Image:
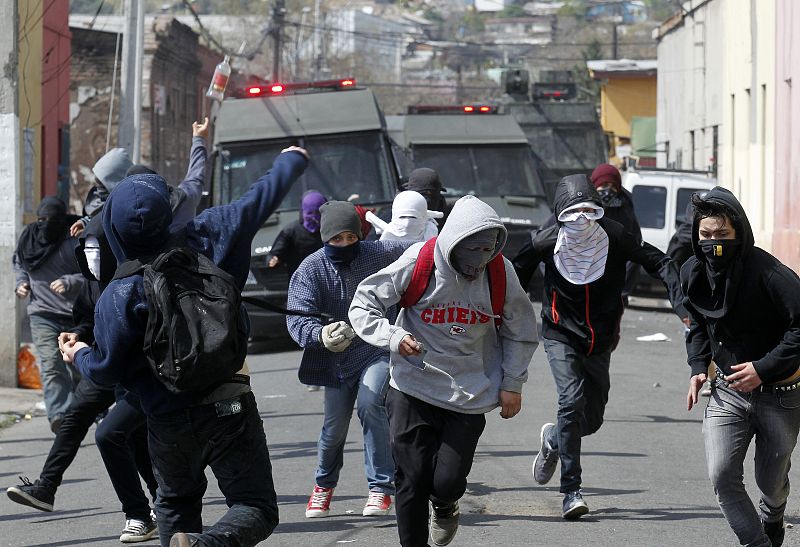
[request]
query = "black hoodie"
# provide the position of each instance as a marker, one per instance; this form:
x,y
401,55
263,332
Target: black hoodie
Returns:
x,y
760,319
587,316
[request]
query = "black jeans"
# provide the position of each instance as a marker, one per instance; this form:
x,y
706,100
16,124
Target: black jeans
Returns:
x,y
122,441
433,449
88,401
583,384
184,443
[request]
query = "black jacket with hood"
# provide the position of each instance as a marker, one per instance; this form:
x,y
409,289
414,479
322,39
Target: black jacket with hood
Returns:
x,y
759,320
587,316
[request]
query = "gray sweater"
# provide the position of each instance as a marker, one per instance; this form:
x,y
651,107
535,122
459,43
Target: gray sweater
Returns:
x,y
62,265
468,360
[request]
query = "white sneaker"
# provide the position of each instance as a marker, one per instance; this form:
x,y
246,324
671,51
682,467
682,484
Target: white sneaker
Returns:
x,y
138,530
378,504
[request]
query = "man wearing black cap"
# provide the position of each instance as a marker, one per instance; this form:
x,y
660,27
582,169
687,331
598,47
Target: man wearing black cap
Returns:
x,y
352,371
426,181
745,310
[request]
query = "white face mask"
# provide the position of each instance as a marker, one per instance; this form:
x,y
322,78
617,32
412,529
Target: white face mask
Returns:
x,y
91,249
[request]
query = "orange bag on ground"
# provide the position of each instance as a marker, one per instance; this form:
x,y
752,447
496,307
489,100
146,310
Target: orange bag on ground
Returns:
x,y
27,371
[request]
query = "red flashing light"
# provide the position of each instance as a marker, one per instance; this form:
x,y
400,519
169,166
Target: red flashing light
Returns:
x,y
277,88
485,109
556,94
469,109
347,83
254,90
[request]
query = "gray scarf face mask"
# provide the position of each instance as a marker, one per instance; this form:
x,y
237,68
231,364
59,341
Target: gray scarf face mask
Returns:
x,y
471,255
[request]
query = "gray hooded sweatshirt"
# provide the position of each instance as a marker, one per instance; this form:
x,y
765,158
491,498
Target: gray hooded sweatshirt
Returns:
x,y
467,360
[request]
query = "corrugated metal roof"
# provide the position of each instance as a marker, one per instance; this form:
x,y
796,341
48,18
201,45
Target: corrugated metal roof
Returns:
x,y
296,116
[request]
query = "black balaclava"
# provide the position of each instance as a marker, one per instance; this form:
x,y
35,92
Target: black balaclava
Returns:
x,y
337,217
426,181
40,239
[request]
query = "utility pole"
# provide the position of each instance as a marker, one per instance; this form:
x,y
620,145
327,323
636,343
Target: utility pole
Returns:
x,y
10,198
317,43
278,12
131,80
614,42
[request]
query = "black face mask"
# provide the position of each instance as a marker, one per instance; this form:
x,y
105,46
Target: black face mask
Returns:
x,y
51,230
610,197
719,253
341,256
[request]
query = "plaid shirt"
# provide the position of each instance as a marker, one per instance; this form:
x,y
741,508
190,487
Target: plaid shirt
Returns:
x,y
318,286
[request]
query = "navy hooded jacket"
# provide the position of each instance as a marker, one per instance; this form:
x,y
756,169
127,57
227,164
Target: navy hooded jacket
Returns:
x,y
136,220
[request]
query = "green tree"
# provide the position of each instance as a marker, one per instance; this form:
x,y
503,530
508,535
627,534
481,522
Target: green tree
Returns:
x,y
514,10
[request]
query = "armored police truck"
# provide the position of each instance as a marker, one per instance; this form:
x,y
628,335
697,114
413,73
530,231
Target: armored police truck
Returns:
x,y
345,134
480,152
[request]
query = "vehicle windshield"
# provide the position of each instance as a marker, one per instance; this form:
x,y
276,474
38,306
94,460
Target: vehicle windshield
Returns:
x,y
560,148
482,170
341,167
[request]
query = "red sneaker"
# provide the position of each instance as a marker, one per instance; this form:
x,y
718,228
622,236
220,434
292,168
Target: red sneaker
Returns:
x,y
319,504
378,504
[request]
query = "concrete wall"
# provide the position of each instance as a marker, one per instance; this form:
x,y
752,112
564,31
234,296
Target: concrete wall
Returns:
x,y
786,234
749,112
690,87
30,105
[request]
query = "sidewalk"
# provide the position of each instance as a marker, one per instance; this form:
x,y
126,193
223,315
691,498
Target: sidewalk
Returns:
x,y
18,401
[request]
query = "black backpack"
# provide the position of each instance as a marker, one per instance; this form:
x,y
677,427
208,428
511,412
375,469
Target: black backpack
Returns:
x,y
196,336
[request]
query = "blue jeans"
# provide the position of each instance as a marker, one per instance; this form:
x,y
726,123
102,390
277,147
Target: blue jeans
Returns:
x,y
368,393
183,443
583,383
58,378
731,421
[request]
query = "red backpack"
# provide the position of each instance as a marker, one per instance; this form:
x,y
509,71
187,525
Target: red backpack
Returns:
x,y
423,271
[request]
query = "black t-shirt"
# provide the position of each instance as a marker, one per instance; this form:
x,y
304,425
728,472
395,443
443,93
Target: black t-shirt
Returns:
x,y
293,244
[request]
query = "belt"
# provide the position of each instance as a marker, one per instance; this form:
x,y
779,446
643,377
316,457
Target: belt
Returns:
x,y
764,388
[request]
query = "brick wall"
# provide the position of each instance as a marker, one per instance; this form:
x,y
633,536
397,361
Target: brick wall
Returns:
x,y
176,72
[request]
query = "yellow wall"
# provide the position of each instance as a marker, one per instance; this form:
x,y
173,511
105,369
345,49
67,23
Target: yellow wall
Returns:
x,y
622,98
30,103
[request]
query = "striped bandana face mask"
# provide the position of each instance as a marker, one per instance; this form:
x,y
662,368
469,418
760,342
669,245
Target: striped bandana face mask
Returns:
x,y
582,246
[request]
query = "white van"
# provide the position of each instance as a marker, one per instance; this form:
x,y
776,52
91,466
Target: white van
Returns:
x,y
660,198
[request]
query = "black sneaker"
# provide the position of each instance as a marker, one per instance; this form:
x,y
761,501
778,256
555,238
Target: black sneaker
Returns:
x,y
545,462
34,494
573,506
138,530
444,523
775,532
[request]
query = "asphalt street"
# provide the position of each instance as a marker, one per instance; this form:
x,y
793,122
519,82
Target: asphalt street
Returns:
x,y
644,471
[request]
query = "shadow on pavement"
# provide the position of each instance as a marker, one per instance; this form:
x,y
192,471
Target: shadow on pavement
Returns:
x,y
83,541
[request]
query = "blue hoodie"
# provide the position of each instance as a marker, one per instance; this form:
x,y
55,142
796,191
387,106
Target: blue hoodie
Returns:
x,y
136,220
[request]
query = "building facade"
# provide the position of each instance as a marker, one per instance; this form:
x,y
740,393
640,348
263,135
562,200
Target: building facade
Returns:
x,y
716,99
786,234
176,74
628,90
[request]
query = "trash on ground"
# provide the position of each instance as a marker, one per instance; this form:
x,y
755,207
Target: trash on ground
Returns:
x,y
657,337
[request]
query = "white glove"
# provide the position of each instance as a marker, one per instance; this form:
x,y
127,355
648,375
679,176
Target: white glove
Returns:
x,y
337,336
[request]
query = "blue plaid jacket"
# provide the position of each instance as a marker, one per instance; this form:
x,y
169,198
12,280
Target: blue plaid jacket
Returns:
x,y
318,286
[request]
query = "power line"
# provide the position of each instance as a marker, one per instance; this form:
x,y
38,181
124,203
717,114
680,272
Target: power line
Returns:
x,y
265,33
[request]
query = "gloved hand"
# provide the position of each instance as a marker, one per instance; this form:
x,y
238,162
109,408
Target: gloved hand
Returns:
x,y
337,336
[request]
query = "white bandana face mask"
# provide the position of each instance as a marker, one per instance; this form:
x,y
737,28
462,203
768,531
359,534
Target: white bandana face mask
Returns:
x,y
91,249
